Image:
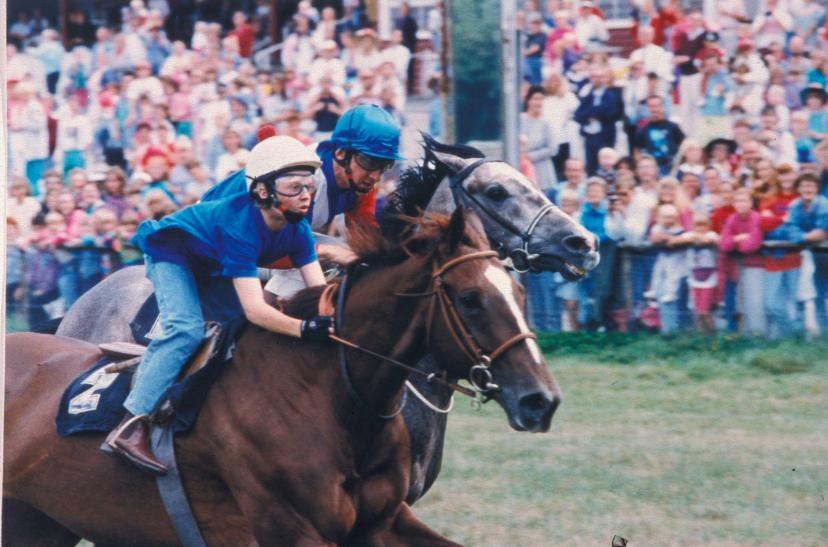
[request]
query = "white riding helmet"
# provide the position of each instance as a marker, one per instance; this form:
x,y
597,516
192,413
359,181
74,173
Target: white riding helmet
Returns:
x,y
276,155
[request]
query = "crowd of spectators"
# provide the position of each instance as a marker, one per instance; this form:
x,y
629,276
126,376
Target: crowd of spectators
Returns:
x,y
699,160
120,122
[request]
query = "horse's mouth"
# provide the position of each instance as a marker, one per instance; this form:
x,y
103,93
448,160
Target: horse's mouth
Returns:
x,y
567,269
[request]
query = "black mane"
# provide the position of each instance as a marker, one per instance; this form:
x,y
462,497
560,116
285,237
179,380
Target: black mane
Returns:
x,y
417,184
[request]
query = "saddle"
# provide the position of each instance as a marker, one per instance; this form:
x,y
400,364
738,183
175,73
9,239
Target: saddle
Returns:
x,y
127,355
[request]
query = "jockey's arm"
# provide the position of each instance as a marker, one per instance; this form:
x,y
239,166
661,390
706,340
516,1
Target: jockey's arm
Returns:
x,y
259,312
339,254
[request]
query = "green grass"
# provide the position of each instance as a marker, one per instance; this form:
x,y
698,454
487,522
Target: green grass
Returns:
x,y
685,441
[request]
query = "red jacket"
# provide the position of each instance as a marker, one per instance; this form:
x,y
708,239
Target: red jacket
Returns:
x,y
718,217
778,261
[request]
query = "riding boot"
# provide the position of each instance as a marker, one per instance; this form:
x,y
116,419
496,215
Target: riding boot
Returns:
x,y
130,440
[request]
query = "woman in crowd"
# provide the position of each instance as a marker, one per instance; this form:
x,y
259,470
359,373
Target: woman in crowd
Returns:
x,y
540,143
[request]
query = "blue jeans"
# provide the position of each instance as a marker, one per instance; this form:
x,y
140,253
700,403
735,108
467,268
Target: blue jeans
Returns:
x,y
641,266
780,290
821,286
182,322
532,69
670,316
544,305
730,305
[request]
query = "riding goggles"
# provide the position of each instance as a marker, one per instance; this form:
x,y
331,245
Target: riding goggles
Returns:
x,y
296,188
372,163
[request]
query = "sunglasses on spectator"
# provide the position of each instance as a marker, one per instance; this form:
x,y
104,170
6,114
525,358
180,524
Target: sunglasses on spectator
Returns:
x,y
371,163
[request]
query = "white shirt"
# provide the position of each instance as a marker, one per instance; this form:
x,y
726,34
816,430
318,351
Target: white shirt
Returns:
x,y
334,68
400,56
656,59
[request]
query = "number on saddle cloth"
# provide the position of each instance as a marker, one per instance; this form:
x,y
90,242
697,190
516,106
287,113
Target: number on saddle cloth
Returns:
x,y
93,402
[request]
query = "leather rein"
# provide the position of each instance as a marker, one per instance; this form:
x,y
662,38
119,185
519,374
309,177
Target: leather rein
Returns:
x,y
518,259
480,376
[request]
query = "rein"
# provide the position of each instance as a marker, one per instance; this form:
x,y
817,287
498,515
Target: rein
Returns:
x,y
518,259
480,376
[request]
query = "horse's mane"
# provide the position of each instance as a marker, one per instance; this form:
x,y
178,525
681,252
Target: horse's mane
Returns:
x,y
417,184
376,250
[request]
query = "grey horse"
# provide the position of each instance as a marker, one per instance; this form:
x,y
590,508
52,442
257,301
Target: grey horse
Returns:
x,y
521,223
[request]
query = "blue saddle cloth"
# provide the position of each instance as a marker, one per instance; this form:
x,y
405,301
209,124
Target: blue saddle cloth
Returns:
x,y
93,402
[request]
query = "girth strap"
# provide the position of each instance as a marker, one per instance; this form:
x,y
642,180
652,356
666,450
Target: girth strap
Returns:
x,y
172,490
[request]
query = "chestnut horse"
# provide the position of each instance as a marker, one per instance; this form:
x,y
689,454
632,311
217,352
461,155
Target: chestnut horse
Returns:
x,y
283,453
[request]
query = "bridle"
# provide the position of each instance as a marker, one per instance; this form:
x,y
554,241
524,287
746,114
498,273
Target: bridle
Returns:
x,y
518,259
480,376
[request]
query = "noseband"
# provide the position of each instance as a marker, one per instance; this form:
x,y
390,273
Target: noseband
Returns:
x,y
518,259
480,376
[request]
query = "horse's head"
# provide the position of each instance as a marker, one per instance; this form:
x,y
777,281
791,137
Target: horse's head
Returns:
x,y
474,324
518,218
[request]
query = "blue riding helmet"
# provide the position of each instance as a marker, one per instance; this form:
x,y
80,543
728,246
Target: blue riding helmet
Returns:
x,y
369,129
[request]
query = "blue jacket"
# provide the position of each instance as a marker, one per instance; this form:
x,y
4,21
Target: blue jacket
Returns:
x,y
607,109
801,221
594,220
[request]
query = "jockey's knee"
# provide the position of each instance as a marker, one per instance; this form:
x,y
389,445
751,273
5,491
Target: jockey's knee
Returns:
x,y
188,335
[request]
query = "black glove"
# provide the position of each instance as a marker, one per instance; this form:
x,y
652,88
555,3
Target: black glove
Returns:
x,y
317,329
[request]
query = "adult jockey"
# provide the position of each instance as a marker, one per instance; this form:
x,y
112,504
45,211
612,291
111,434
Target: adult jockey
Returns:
x,y
364,144
202,261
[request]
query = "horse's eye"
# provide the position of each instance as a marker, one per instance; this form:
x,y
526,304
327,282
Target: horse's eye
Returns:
x,y
496,193
471,300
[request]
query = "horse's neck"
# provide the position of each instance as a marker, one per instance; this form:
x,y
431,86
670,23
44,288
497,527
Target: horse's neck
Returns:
x,y
386,326
443,200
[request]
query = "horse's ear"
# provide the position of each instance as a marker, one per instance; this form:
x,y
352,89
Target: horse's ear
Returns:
x,y
456,229
453,163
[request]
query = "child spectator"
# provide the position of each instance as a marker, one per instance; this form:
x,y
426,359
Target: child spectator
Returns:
x,y
607,158
21,206
669,192
808,223
569,291
42,267
689,159
814,99
723,207
741,240
670,269
90,198
781,284
15,259
595,217
234,156
114,184
701,256
157,165
129,255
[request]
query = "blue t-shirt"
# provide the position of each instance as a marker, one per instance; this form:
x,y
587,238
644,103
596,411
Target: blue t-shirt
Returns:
x,y
225,237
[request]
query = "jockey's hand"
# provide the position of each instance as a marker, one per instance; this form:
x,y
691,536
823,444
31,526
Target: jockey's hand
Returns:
x,y
335,253
318,329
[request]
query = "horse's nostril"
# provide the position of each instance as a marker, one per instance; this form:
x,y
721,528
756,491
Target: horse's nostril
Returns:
x,y
577,244
536,410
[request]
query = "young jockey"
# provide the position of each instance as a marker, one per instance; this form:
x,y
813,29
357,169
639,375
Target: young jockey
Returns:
x,y
364,144
193,258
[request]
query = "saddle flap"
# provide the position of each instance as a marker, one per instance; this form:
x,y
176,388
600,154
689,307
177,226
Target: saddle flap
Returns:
x,y
122,350
208,347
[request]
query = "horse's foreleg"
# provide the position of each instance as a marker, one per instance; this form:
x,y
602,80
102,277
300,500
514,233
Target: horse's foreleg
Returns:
x,y
405,530
24,526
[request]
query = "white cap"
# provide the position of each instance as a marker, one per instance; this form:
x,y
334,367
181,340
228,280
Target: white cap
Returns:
x,y
279,153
